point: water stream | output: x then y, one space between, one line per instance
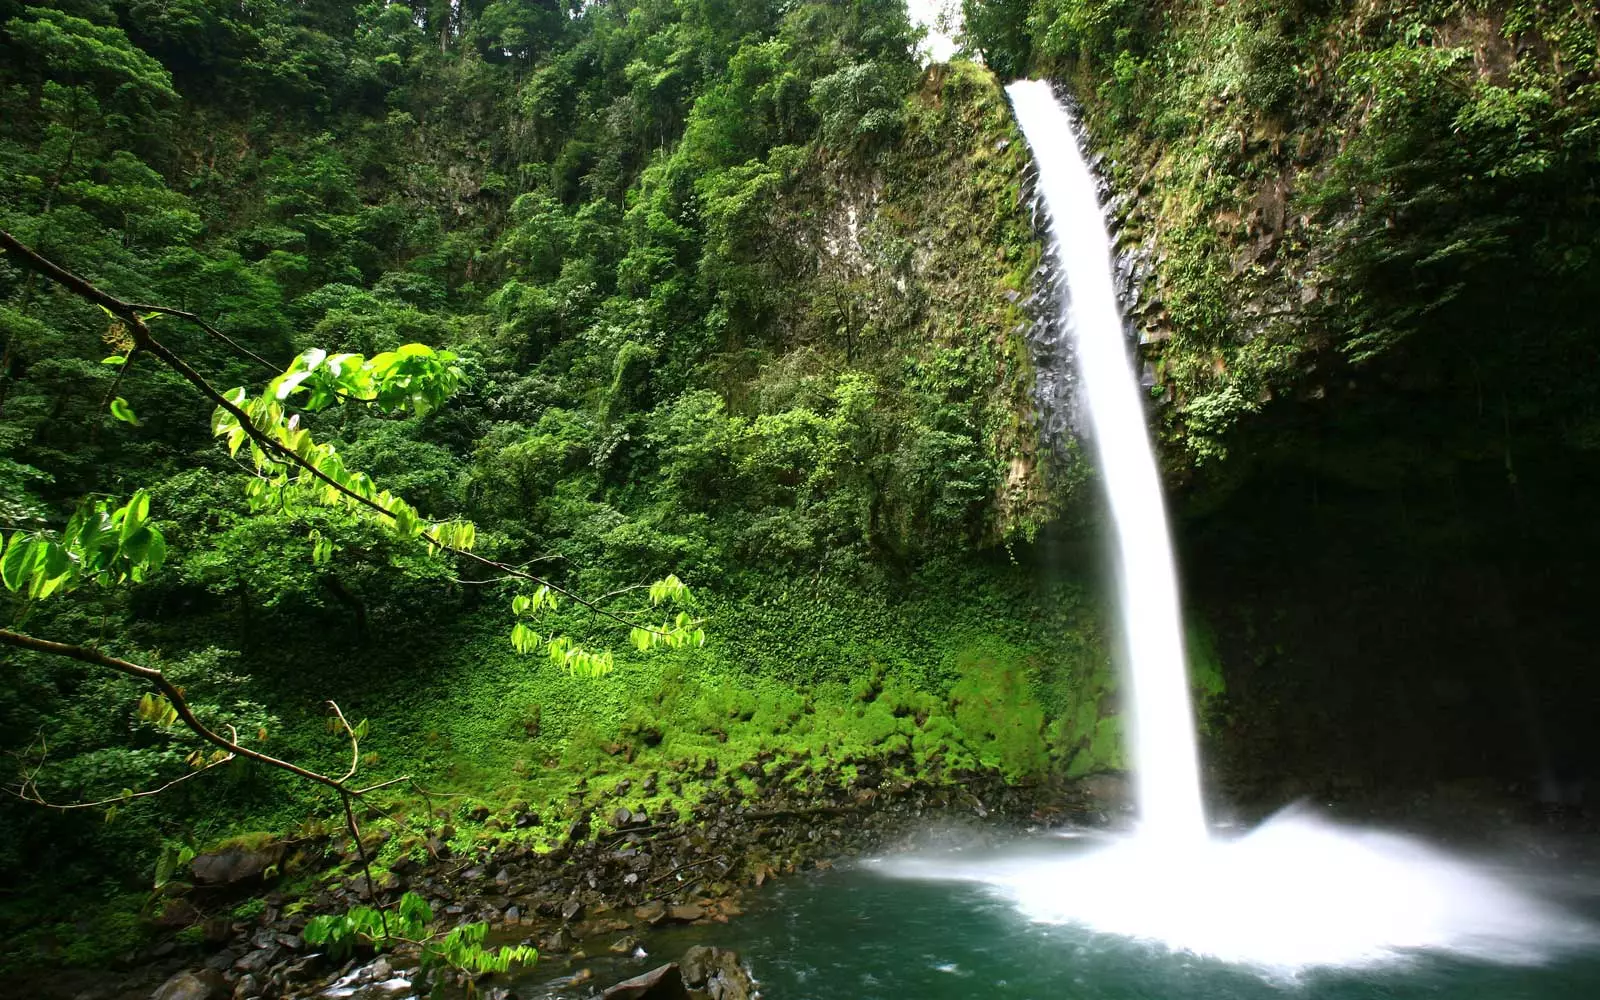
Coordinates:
1166 764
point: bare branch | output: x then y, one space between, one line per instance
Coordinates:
28 791
237 347
355 743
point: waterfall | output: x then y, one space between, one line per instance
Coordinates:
1166 768
1295 893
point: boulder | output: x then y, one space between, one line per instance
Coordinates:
685 913
207 984
235 864
665 983
558 942
718 972
176 913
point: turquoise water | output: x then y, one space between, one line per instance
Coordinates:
853 934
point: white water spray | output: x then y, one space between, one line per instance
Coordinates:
1297 892
1166 767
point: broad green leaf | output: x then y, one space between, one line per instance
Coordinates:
137 512
156 554
17 563
284 386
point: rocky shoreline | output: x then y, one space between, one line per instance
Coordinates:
617 875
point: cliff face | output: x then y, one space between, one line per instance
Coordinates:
1315 188
911 268
1366 237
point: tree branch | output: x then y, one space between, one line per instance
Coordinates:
215 333
128 312
159 681
28 789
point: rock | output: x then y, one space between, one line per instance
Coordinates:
624 945
697 964
582 976
222 960
556 943
719 972
665 983
651 913
176 913
255 961
234 865
685 913
730 981
305 967
206 984
525 820
246 988
571 910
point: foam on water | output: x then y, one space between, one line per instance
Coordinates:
1296 893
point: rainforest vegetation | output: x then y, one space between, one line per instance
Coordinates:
632 387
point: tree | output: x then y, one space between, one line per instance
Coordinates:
106 545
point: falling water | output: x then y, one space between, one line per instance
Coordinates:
1165 760
1297 892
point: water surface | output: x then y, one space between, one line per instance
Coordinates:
856 934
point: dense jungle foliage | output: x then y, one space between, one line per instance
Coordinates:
735 291
710 312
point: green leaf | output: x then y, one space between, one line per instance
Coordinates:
524 639
135 513
156 554
17 563
414 908
115 359
123 412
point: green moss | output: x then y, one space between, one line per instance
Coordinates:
996 709
1103 752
